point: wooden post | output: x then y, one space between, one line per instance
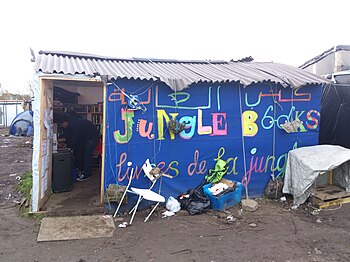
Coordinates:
330 177
40 168
46 93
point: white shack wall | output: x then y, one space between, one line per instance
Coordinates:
8 111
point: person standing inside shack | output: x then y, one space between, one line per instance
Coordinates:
82 137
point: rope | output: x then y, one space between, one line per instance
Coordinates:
154 139
143 87
243 145
154 159
131 97
274 134
155 153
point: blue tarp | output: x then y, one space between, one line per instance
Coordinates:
213 114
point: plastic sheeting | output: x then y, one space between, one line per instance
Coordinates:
335 111
36 144
305 165
213 115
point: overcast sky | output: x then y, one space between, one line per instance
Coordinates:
283 31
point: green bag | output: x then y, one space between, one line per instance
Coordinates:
215 175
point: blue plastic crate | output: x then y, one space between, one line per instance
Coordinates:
225 201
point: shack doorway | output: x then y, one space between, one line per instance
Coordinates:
68 194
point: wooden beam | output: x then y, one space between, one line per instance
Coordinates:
46 93
88 79
42 130
330 177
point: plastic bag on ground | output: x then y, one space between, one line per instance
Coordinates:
172 204
194 200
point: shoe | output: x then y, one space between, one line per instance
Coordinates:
82 178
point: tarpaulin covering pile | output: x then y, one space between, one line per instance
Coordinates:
305 165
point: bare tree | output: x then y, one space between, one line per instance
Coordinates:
30 89
2 90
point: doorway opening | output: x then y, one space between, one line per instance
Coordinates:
75 100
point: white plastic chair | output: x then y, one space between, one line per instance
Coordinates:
147 194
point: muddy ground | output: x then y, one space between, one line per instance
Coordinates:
273 233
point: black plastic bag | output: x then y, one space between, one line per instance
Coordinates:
274 188
194 200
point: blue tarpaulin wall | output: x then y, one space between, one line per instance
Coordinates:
241 125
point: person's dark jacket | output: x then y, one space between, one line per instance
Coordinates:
79 131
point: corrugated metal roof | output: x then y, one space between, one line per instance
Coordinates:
290 74
176 74
324 54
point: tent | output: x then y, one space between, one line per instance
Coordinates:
22 124
306 167
235 111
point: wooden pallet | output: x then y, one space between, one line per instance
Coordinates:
330 195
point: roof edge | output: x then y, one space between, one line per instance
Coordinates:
324 54
133 59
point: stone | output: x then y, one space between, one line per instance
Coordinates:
221 214
249 205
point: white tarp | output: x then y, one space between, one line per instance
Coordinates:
306 164
36 144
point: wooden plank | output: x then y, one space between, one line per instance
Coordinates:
42 130
46 93
324 204
330 177
47 77
330 195
49 182
330 192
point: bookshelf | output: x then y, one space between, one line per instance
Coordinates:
92 112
